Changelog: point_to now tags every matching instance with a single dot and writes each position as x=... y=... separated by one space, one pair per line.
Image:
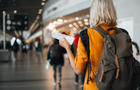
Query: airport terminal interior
x=28 y=28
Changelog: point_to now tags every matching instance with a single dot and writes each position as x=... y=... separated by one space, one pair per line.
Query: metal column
x=4 y=41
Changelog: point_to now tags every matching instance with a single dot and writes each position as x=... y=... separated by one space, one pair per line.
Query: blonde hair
x=102 y=12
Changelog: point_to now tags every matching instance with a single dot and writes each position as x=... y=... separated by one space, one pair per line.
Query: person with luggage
x=56 y=57
x=98 y=55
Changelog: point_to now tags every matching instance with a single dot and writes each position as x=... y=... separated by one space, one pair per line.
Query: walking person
x=38 y=47
x=15 y=46
x=103 y=15
x=56 y=57
x=74 y=50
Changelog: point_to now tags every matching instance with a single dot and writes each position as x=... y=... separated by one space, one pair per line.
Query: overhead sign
x=16 y=22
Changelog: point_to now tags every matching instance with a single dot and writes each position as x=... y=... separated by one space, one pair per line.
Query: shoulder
x=87 y=33
x=87 y=30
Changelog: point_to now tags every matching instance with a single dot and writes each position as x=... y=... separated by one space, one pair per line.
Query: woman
x=103 y=14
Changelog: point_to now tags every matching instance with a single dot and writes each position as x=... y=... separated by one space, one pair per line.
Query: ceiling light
x=60 y=20
x=70 y=25
x=40 y=11
x=43 y=0
x=15 y=11
x=79 y=22
x=76 y=18
x=86 y=20
x=43 y=3
x=86 y=23
x=65 y=21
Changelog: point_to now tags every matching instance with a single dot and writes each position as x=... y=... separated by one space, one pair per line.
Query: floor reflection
x=30 y=73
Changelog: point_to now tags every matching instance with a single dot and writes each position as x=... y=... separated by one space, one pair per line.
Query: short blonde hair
x=102 y=12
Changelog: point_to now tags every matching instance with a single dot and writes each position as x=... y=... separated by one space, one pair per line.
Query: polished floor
x=30 y=73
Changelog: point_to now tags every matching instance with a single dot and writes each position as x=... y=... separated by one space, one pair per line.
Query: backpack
x=55 y=54
x=116 y=67
x=54 y=51
x=15 y=46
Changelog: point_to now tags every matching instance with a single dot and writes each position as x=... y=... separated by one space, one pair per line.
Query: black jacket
x=56 y=54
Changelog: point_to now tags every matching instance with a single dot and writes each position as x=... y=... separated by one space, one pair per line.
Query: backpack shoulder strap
x=85 y=40
x=123 y=30
x=101 y=31
x=104 y=33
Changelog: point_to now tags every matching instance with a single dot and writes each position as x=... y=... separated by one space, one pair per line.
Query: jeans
x=57 y=70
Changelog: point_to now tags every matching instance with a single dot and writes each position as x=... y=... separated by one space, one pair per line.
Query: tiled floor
x=28 y=73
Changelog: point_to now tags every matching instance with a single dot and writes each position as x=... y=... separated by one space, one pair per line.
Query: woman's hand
x=64 y=44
